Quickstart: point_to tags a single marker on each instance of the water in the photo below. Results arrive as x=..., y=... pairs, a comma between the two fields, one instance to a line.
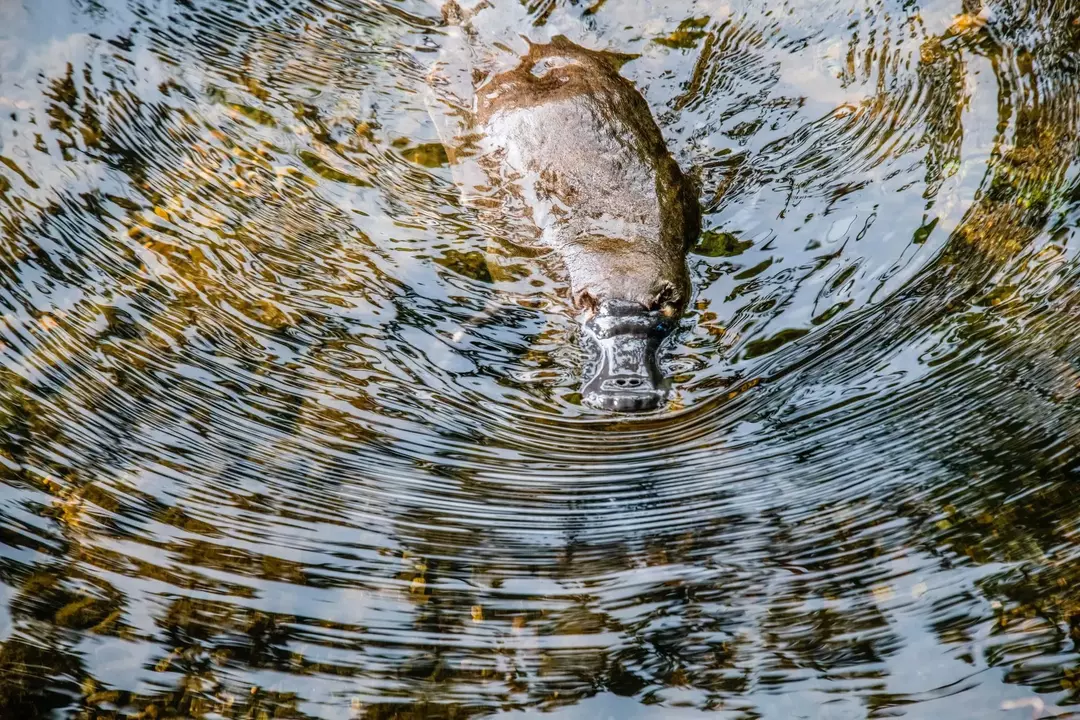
x=248, y=472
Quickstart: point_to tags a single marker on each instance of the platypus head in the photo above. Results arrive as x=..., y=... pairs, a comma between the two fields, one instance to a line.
x=629, y=301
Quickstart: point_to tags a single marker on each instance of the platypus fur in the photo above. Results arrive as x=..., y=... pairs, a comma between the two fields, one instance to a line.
x=576, y=141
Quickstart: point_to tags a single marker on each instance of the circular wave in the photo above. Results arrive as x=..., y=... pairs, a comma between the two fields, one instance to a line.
x=283, y=434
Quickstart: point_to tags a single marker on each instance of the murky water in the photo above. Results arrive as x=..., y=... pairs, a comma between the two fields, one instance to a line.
x=248, y=471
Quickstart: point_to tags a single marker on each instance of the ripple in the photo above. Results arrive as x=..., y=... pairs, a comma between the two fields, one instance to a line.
x=287, y=430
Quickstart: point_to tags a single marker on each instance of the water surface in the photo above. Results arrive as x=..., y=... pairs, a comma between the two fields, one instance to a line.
x=257, y=461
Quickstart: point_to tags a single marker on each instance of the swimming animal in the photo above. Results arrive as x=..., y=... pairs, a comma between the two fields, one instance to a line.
x=575, y=142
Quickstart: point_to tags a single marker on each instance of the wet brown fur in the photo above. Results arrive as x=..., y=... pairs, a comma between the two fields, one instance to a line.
x=579, y=143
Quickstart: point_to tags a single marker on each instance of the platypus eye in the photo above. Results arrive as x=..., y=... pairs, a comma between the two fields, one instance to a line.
x=667, y=300
x=586, y=301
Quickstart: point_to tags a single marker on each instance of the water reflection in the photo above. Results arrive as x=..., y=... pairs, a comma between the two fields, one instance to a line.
x=248, y=471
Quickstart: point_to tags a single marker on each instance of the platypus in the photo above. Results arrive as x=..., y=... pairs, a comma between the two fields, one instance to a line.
x=576, y=142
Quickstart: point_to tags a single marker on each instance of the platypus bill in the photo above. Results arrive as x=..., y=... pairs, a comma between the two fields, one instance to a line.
x=568, y=135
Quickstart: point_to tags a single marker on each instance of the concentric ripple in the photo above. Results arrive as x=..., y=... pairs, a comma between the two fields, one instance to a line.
x=289, y=431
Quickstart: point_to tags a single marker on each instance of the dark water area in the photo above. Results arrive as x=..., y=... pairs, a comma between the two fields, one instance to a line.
x=257, y=460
